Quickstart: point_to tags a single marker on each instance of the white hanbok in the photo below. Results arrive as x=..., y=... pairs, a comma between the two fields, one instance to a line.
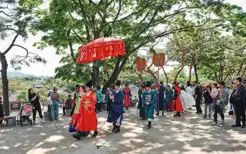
x=187, y=100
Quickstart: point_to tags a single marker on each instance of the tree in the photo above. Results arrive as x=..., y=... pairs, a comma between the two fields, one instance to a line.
x=14, y=21
x=68, y=24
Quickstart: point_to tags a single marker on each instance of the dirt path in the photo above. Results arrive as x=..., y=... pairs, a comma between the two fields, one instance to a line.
x=189, y=134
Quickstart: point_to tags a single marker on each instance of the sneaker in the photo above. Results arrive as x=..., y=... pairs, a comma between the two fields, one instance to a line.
x=243, y=126
x=204, y=117
x=222, y=122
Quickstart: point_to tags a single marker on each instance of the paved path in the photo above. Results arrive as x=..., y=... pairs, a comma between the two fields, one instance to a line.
x=189, y=134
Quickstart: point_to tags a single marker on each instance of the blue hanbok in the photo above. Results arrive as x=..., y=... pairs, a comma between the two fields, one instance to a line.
x=149, y=96
x=116, y=113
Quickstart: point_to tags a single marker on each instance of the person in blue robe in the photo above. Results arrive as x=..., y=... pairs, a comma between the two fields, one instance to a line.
x=168, y=97
x=115, y=115
x=149, y=101
x=161, y=103
x=140, y=102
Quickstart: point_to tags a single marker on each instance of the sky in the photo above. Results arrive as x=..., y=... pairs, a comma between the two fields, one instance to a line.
x=53, y=60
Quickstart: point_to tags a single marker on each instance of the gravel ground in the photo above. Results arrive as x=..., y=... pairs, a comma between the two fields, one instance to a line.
x=189, y=134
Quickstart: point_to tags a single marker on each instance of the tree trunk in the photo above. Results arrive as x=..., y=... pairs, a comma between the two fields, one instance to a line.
x=165, y=73
x=95, y=74
x=191, y=59
x=121, y=61
x=182, y=63
x=196, y=74
x=5, y=83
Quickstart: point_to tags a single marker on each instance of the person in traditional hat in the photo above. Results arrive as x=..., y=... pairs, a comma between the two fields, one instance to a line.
x=140, y=102
x=149, y=101
x=77, y=98
x=115, y=116
x=177, y=100
x=161, y=99
x=87, y=121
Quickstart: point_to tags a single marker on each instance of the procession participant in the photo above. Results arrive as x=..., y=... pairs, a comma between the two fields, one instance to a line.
x=127, y=96
x=87, y=121
x=78, y=96
x=149, y=101
x=140, y=102
x=155, y=89
x=161, y=94
x=177, y=100
x=168, y=97
x=115, y=116
x=187, y=100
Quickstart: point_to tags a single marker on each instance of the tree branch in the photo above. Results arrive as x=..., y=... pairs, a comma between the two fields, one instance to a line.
x=71, y=46
x=12, y=44
x=84, y=14
x=118, y=12
x=10, y=16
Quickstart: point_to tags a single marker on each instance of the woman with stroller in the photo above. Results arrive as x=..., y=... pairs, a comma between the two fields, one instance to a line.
x=34, y=100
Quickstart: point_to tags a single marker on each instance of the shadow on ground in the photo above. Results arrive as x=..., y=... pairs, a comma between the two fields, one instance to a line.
x=182, y=135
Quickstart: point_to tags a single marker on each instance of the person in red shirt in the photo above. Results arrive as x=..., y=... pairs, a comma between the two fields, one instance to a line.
x=88, y=118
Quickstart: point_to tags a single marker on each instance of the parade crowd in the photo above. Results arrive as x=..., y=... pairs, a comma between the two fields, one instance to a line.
x=153, y=99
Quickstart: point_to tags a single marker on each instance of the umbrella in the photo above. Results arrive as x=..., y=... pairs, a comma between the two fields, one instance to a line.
x=208, y=82
x=100, y=49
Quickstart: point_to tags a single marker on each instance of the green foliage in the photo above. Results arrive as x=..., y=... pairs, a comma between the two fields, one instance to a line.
x=69, y=24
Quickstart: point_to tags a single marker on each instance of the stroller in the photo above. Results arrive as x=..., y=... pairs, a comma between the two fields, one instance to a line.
x=24, y=114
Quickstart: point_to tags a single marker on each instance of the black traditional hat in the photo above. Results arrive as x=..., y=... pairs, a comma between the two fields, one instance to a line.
x=118, y=83
x=77, y=86
x=88, y=84
x=148, y=84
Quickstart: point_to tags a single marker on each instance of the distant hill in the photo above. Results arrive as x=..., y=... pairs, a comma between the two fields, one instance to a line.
x=22, y=75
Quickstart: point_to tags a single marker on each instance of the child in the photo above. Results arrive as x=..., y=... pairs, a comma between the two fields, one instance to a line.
x=149, y=101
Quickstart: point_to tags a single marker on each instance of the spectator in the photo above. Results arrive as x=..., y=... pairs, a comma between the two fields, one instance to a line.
x=221, y=102
x=1, y=110
x=208, y=102
x=55, y=104
x=34, y=100
x=68, y=104
x=232, y=99
x=239, y=103
x=198, y=98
